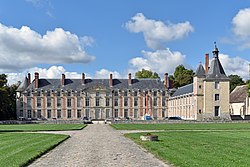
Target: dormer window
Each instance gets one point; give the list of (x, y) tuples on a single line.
[(217, 85)]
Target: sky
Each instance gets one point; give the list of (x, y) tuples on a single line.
[(98, 37)]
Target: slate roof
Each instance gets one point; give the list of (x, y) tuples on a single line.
[(183, 90), (200, 71), (76, 84), (239, 94), (23, 85), (216, 71)]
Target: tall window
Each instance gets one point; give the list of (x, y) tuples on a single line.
[(48, 113), (217, 97), (107, 101), (107, 93), (163, 101), (28, 102), (68, 102), (125, 93), (135, 102), (59, 114), (135, 93), (97, 93), (135, 113), (29, 114), (78, 113), (39, 114), (21, 113), (163, 113), (155, 93), (69, 93), (58, 102), (69, 113), (87, 112), (155, 101), (125, 101), (38, 93), (217, 85), (48, 93), (58, 93), (116, 93), (38, 102), (107, 113), (86, 101), (116, 102), (48, 102), (97, 102), (78, 101), (116, 113), (217, 111), (125, 113)]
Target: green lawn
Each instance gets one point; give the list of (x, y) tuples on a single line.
[(19, 149), (194, 126), (40, 127)]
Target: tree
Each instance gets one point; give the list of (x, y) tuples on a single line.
[(146, 74), (236, 80), (7, 99), (182, 76)]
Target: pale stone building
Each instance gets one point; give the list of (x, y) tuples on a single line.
[(207, 98)]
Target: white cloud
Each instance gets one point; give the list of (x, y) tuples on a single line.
[(241, 23), (156, 33), (104, 74), (235, 65), (24, 48), (160, 61)]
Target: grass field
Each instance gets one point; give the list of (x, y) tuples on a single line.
[(216, 147), (18, 149), (40, 127), (197, 126)]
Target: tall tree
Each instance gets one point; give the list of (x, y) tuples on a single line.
[(182, 76), (236, 80), (146, 74)]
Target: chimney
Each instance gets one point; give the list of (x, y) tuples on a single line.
[(63, 79), (83, 78), (29, 79), (206, 63), (36, 79), (110, 80), (166, 80), (129, 79)]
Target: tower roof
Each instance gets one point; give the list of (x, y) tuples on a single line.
[(216, 71), (200, 71), (23, 85)]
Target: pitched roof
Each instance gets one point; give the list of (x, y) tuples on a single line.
[(200, 71), (23, 85), (76, 84), (239, 94), (183, 90), (216, 71)]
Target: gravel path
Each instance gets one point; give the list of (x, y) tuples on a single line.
[(98, 145)]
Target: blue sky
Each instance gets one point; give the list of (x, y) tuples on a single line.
[(101, 37)]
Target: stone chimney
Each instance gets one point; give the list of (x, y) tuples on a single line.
[(63, 79), (83, 78), (206, 63), (29, 79), (36, 79), (166, 80), (129, 79), (110, 80)]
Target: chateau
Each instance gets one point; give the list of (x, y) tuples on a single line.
[(206, 98)]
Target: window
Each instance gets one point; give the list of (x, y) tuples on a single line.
[(48, 102), (107, 93), (38, 93), (199, 86), (125, 101), (163, 113), (155, 101), (107, 113), (87, 112), (217, 97), (28, 93), (116, 113), (135, 93), (21, 113), (97, 101), (135, 113), (163, 101), (125, 93), (78, 113), (69, 102), (38, 102), (48, 113), (69, 93), (58, 93), (21, 103), (79, 102), (29, 114), (199, 111), (163, 93), (125, 113), (69, 113), (39, 114), (217, 85), (48, 93), (116, 93), (58, 102), (97, 94), (28, 102), (107, 101), (116, 102), (59, 114), (86, 101), (217, 111), (135, 101), (155, 93), (78, 93)]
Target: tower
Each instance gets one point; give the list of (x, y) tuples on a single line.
[(216, 91)]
